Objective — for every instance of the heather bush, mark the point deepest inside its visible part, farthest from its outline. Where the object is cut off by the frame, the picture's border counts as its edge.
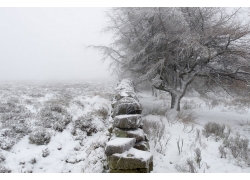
(54, 116)
(238, 147)
(40, 136)
(32, 161)
(4, 169)
(79, 103)
(215, 129)
(154, 110)
(84, 124)
(186, 118)
(45, 152)
(8, 138)
(102, 112)
(2, 158)
(156, 132)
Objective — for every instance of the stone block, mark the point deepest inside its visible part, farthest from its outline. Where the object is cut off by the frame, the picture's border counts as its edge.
(132, 159)
(131, 121)
(119, 145)
(143, 146)
(126, 105)
(138, 134)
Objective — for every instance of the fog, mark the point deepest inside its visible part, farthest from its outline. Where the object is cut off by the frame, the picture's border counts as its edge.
(48, 44)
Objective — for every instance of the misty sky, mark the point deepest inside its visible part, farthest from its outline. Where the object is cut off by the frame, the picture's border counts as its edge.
(47, 43)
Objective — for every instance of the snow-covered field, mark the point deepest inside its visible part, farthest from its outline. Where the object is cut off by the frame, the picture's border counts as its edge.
(79, 147)
(187, 129)
(64, 128)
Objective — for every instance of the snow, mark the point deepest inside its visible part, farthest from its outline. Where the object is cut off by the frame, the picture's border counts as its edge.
(120, 141)
(127, 116)
(82, 153)
(167, 159)
(132, 152)
(67, 153)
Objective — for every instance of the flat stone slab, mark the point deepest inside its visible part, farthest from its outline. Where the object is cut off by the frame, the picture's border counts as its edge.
(126, 105)
(119, 145)
(131, 121)
(125, 93)
(147, 170)
(126, 84)
(138, 134)
(132, 159)
(143, 146)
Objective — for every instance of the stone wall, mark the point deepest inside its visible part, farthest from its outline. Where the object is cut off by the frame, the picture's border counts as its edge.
(128, 148)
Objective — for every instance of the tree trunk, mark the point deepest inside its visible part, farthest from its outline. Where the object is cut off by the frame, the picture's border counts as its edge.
(175, 101)
(154, 92)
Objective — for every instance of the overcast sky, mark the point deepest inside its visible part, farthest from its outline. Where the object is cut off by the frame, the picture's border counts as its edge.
(47, 43)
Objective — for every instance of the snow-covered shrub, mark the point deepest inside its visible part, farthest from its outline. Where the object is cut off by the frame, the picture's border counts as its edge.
(198, 156)
(212, 128)
(214, 103)
(63, 99)
(33, 161)
(238, 147)
(4, 169)
(54, 116)
(8, 138)
(39, 136)
(79, 103)
(157, 133)
(2, 158)
(155, 110)
(36, 94)
(188, 166)
(45, 152)
(19, 126)
(241, 102)
(223, 152)
(191, 167)
(186, 117)
(188, 105)
(13, 111)
(84, 124)
(102, 112)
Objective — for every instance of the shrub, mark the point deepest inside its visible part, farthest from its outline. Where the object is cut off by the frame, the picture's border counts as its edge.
(157, 132)
(20, 126)
(85, 124)
(186, 118)
(212, 128)
(45, 152)
(7, 142)
(238, 147)
(2, 158)
(187, 105)
(4, 169)
(161, 111)
(198, 157)
(79, 103)
(39, 136)
(215, 103)
(33, 161)
(55, 116)
(102, 112)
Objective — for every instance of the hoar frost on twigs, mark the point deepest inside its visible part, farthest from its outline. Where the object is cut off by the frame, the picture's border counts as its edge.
(171, 47)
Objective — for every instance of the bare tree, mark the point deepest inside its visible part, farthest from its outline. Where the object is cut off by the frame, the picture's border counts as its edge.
(170, 47)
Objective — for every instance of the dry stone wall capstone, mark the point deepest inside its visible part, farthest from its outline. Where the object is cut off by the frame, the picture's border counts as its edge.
(128, 148)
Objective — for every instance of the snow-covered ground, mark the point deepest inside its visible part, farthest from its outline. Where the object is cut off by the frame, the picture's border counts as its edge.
(80, 146)
(167, 158)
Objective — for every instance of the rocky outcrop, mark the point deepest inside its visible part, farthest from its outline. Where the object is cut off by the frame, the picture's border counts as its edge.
(128, 149)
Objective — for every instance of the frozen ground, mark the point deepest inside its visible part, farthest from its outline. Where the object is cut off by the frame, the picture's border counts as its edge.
(167, 158)
(78, 146)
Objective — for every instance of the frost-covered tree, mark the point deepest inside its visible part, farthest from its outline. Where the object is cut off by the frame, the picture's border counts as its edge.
(170, 47)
